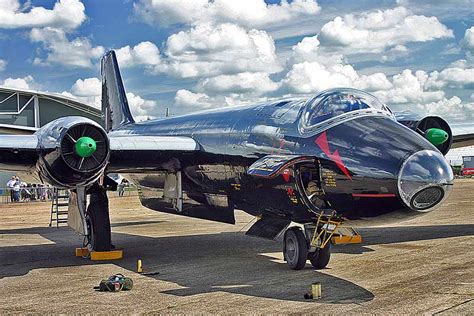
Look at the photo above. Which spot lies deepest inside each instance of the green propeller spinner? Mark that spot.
(85, 146)
(436, 136)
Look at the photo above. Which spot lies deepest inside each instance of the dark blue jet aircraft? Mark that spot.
(341, 155)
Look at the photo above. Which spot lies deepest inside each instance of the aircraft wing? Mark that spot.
(158, 143)
(138, 153)
(20, 153)
(463, 135)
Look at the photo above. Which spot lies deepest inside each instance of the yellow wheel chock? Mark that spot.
(99, 255)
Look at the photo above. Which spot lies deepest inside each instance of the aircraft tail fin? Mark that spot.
(114, 100)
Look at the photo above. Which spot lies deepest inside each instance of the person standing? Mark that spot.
(121, 188)
(16, 190)
(10, 185)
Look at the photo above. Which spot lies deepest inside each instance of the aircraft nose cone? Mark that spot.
(425, 180)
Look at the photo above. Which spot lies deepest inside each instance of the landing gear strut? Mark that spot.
(98, 221)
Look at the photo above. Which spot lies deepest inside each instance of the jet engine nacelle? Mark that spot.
(432, 128)
(72, 151)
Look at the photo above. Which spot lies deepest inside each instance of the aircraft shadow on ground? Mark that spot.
(399, 234)
(229, 262)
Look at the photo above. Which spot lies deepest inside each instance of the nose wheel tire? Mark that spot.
(295, 250)
(320, 258)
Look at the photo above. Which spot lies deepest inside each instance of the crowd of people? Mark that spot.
(21, 191)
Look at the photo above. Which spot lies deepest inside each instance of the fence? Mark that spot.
(28, 194)
(33, 196)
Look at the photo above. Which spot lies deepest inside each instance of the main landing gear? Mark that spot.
(98, 221)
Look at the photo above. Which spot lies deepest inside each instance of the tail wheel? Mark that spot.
(98, 221)
(295, 249)
(320, 258)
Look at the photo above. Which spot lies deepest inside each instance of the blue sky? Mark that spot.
(193, 55)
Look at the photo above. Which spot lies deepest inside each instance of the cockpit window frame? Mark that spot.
(305, 128)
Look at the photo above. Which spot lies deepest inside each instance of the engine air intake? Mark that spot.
(84, 147)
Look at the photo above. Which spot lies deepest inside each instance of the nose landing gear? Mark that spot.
(313, 243)
(297, 250)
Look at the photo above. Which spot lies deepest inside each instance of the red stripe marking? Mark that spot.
(322, 142)
(286, 175)
(381, 195)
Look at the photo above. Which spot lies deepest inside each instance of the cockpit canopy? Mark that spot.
(335, 102)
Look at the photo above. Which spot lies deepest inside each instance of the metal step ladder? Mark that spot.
(59, 207)
(329, 228)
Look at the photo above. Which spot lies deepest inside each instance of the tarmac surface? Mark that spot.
(425, 265)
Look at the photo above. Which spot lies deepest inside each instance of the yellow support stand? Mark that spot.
(99, 255)
(337, 240)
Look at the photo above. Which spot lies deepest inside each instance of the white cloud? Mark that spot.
(374, 82)
(321, 73)
(87, 87)
(453, 109)
(248, 13)
(416, 91)
(306, 50)
(18, 83)
(187, 98)
(67, 14)
(144, 53)
(394, 53)
(3, 64)
(468, 39)
(379, 30)
(245, 82)
(142, 109)
(89, 91)
(456, 75)
(460, 63)
(311, 69)
(409, 88)
(78, 53)
(207, 50)
(92, 100)
(196, 101)
(313, 77)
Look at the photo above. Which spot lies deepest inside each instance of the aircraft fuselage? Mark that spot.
(356, 167)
